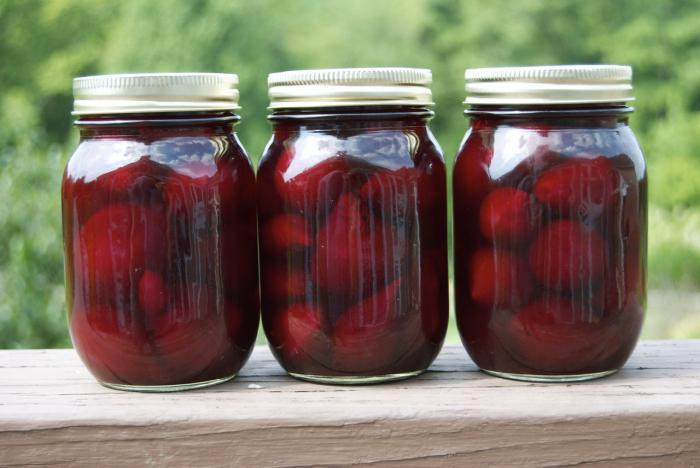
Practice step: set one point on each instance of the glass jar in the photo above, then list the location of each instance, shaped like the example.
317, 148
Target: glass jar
160, 232
550, 225
352, 212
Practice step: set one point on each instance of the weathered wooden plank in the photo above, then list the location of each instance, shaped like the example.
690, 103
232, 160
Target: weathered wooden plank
52, 412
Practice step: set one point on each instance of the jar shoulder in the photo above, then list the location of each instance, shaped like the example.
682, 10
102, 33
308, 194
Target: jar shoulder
502, 148
384, 148
193, 155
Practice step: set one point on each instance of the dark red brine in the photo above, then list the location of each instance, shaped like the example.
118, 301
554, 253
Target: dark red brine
550, 225
352, 213
160, 233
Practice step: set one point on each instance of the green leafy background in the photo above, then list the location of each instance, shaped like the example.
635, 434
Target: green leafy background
44, 44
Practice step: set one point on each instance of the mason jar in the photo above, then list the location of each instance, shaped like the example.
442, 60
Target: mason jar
160, 232
550, 222
352, 214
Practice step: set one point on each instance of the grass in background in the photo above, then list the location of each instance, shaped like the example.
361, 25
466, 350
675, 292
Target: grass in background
674, 248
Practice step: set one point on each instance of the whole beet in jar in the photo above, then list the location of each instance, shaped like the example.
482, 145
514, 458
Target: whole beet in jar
352, 212
160, 232
550, 225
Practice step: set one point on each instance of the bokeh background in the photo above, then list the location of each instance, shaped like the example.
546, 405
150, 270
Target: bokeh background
45, 43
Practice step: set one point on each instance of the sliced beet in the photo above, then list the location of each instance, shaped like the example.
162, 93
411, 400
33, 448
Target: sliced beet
355, 252
556, 335
138, 182
566, 256
498, 278
285, 232
579, 187
298, 332
153, 293
365, 336
116, 351
189, 341
303, 184
117, 244
471, 180
508, 216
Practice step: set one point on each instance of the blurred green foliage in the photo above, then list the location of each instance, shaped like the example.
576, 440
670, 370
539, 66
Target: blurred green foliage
45, 43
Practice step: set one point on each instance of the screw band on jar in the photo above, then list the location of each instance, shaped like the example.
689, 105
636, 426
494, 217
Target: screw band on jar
155, 93
549, 85
350, 87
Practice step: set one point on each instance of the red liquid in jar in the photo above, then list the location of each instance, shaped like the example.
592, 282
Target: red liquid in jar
353, 246
161, 253
550, 239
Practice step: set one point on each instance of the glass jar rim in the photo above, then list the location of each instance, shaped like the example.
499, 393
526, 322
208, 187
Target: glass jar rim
567, 110
369, 112
157, 119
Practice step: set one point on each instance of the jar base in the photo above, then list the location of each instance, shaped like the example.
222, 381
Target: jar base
355, 380
550, 378
166, 388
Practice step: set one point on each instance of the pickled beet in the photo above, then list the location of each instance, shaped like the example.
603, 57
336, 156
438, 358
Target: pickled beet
507, 216
559, 335
472, 172
153, 293
365, 336
140, 180
355, 251
384, 189
132, 179
161, 253
303, 182
298, 324
116, 352
189, 342
549, 227
284, 232
581, 184
565, 255
499, 278
298, 331
117, 243
353, 246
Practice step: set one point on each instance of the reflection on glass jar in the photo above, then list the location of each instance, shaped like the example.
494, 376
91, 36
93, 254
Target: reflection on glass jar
550, 223
160, 234
353, 229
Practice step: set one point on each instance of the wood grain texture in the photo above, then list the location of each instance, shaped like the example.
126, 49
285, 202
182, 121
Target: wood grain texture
52, 412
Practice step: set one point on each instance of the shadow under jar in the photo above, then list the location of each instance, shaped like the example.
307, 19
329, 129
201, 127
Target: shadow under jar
352, 212
160, 232
550, 225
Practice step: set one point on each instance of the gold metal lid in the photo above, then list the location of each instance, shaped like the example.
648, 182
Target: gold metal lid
552, 84
155, 92
341, 87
